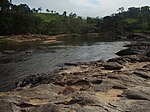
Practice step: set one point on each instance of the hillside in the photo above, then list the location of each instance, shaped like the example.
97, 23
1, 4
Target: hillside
47, 17
20, 19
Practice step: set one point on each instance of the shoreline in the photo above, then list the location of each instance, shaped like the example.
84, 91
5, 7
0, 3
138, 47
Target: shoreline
40, 37
119, 84
32, 38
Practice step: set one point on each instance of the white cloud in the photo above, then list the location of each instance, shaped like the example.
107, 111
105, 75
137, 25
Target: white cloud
85, 7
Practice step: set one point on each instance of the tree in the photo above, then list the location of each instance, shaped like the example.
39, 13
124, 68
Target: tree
64, 13
145, 8
74, 15
40, 9
34, 10
121, 9
52, 11
4, 5
47, 10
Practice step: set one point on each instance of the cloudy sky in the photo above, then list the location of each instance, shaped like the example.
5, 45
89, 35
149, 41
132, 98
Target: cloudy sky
84, 8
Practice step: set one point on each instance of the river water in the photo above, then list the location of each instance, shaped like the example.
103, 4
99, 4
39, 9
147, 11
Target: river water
20, 60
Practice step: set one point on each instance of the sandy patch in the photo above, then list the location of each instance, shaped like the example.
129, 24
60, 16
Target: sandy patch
109, 96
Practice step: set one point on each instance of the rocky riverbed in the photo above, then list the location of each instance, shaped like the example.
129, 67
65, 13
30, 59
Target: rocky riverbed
118, 85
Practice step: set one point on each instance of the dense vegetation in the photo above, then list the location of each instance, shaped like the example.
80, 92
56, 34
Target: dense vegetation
20, 19
125, 22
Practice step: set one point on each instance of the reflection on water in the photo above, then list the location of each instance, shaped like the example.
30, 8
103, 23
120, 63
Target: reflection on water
20, 60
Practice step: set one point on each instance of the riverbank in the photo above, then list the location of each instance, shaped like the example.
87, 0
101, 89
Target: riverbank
117, 85
31, 38
39, 38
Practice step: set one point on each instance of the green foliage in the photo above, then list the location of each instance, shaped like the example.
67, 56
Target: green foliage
130, 20
20, 19
46, 17
133, 20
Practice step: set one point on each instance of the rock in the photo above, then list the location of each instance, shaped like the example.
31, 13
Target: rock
8, 52
145, 75
97, 81
127, 52
112, 66
29, 51
47, 108
147, 66
121, 37
137, 93
98, 86
68, 90
139, 36
32, 80
83, 98
71, 64
5, 106
119, 87
81, 83
132, 105
148, 54
120, 60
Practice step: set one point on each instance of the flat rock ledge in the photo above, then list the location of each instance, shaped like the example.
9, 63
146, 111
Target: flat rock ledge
118, 85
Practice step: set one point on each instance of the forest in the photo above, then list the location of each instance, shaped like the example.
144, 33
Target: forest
20, 19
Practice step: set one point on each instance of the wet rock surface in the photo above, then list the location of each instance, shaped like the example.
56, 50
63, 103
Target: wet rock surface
139, 36
118, 85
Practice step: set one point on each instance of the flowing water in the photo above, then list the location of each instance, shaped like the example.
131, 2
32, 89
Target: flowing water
20, 60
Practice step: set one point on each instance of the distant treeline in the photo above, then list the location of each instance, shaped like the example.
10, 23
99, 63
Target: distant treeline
20, 19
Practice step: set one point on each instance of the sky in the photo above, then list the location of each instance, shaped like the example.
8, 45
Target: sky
92, 8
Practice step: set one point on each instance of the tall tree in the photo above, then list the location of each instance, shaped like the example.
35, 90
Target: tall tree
47, 10
40, 9
64, 13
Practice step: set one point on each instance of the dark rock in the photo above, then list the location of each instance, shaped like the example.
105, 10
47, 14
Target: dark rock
112, 66
119, 87
147, 66
97, 81
148, 54
136, 94
71, 64
32, 80
8, 52
145, 75
68, 90
81, 83
120, 60
5, 106
134, 58
127, 52
47, 108
83, 99
121, 37
132, 106
139, 36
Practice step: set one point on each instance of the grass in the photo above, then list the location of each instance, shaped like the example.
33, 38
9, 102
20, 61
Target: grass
47, 17
131, 20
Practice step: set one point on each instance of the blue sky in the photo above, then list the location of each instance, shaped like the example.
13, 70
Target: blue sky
84, 8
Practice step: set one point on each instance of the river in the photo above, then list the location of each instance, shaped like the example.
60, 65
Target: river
20, 60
